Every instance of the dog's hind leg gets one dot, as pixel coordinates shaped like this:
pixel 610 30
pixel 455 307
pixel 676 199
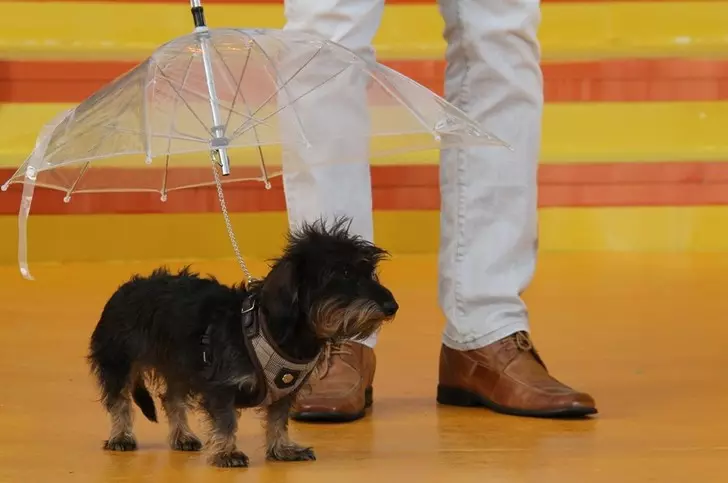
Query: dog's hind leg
pixel 122 431
pixel 181 437
pixel 114 378
pixel 223 420
pixel 278 446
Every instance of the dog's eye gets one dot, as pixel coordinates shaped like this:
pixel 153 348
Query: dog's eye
pixel 346 273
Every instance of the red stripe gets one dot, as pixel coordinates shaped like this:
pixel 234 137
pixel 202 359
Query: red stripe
pixel 634 80
pixel 413 188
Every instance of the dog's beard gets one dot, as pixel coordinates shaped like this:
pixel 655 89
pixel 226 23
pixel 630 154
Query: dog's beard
pixel 335 320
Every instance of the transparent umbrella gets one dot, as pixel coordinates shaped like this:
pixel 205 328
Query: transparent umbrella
pixel 226 105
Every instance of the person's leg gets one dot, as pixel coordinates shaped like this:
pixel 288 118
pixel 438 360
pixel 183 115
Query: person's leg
pixel 344 391
pixel 338 109
pixel 489 223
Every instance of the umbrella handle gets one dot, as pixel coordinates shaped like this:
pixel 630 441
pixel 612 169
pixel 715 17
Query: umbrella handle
pixel 23 213
pixel 26 200
pixel 32 167
pixel 198 13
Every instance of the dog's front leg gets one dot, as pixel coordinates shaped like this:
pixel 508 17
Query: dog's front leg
pixel 223 420
pixel 279 447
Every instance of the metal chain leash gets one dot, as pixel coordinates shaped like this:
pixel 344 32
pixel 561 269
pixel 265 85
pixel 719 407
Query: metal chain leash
pixel 228 223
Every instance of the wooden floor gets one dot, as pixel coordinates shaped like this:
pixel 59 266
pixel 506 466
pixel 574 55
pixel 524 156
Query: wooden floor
pixel 645 334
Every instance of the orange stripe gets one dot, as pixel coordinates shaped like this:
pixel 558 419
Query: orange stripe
pixel 415 188
pixel 634 80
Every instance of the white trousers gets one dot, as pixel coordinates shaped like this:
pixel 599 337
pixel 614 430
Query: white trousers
pixel 488 231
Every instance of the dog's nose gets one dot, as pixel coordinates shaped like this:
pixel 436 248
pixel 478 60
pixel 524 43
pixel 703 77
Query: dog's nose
pixel 390 308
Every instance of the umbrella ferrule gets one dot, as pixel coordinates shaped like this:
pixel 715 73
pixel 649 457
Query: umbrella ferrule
pixel 224 161
pixel 219 142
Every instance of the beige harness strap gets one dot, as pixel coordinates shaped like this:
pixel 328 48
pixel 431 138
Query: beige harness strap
pixel 281 374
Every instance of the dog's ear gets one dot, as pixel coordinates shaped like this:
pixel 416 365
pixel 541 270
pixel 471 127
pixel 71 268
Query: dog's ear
pixel 280 290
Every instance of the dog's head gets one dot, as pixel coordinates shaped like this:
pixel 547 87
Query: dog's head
pixel 329 277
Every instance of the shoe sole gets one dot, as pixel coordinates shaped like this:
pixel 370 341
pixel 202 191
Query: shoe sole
pixel 453 396
pixel 334 416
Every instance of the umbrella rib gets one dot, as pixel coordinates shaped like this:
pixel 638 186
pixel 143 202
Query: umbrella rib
pixel 107 190
pixel 61 176
pixel 98 124
pixel 90 156
pixel 182 136
pixel 283 86
pixel 237 87
pixel 223 182
pixel 297 98
pixel 179 136
pixel 164 179
pixel 146 134
pixel 405 103
pixel 173 128
pixel 192 93
pixel 59 146
pixel 70 190
pixel 202 96
pixel 164 76
pixel 83 172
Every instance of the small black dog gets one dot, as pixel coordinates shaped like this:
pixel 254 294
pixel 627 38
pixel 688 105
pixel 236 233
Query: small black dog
pixel 221 349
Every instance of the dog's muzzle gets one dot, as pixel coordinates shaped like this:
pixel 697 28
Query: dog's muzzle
pixel 333 319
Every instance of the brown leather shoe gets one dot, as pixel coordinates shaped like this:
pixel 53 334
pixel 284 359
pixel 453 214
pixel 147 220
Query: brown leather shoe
pixel 508 377
pixel 342 390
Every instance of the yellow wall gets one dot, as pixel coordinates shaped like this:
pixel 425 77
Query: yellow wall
pixel 574 133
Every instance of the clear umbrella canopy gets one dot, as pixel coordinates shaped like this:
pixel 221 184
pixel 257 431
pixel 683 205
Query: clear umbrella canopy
pixel 252 100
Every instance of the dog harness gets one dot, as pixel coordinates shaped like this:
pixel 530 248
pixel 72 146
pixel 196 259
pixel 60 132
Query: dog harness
pixel 281 375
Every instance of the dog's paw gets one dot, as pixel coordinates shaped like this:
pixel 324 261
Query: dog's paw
pixel 236 459
pixel 290 452
pixel 186 442
pixel 122 442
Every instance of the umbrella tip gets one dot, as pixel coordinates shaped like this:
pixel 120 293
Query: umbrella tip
pixel 163 197
pixel 67 199
pixel 26 273
pixel 5 186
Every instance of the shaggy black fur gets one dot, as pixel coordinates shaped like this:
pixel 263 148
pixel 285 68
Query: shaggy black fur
pixel 323 289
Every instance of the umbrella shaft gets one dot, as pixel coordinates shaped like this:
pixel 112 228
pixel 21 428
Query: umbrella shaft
pixel 198 16
pixel 218 128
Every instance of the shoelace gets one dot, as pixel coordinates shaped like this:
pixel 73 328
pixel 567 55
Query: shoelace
pixel 523 341
pixel 330 350
pixel 511 346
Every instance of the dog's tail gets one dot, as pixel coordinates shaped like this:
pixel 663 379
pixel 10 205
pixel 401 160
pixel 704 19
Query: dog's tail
pixel 144 400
